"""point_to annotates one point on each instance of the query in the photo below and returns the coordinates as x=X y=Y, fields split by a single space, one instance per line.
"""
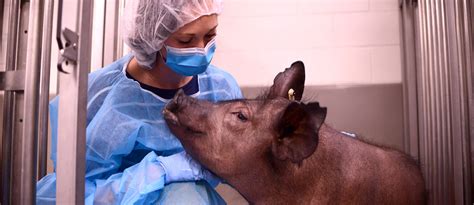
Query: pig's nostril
x=172 y=106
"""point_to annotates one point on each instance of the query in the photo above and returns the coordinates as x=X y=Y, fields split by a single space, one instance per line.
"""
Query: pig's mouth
x=175 y=123
x=177 y=117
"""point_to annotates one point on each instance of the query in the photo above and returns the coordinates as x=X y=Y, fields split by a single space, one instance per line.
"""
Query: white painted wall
x=340 y=41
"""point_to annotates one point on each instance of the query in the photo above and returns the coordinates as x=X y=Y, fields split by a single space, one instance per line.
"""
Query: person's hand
x=181 y=167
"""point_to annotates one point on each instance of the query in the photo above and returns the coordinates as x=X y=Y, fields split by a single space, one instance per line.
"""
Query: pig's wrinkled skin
x=277 y=151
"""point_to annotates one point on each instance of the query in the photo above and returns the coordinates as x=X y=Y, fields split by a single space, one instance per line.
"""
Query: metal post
x=443 y=47
x=72 y=103
x=24 y=186
x=44 y=90
x=111 y=26
x=11 y=25
x=410 y=100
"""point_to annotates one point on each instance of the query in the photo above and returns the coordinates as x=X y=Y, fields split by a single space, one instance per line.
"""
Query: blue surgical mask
x=190 y=61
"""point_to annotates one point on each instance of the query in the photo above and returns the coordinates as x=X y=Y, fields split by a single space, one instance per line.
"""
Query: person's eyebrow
x=192 y=34
x=212 y=29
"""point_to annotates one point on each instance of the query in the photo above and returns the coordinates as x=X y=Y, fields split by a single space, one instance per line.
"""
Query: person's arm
x=141 y=183
x=137 y=184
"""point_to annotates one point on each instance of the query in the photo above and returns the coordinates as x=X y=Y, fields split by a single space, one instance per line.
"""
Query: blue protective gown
x=125 y=134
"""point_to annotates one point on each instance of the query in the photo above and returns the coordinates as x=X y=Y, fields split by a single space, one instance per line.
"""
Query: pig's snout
x=181 y=113
x=174 y=106
x=177 y=101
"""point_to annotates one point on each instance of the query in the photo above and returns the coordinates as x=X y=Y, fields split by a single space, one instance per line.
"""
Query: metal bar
x=72 y=108
x=1 y=29
x=421 y=84
x=429 y=91
x=410 y=101
x=437 y=110
x=44 y=90
x=445 y=111
x=466 y=121
x=12 y=80
x=444 y=73
x=110 y=51
x=17 y=137
x=469 y=34
x=456 y=95
x=25 y=184
x=120 y=47
x=11 y=24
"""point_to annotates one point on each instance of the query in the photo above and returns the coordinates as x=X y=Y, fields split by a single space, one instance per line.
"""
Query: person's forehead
x=202 y=24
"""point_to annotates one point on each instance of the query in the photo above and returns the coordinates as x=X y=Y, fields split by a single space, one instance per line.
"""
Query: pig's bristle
x=263 y=94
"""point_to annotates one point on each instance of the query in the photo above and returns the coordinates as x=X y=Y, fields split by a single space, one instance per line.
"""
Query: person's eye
x=210 y=36
x=240 y=116
x=185 y=41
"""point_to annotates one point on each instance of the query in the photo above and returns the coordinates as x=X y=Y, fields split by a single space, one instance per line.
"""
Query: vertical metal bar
x=19 y=103
x=111 y=26
x=445 y=83
x=437 y=110
x=27 y=153
x=420 y=86
x=430 y=105
x=454 y=52
x=9 y=56
x=72 y=108
x=469 y=46
x=120 y=43
x=44 y=90
x=1 y=29
x=410 y=99
x=445 y=75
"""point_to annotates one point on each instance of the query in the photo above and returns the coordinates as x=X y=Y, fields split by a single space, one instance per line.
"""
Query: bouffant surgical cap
x=148 y=23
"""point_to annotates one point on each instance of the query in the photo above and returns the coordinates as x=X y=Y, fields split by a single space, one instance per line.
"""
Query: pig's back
x=374 y=174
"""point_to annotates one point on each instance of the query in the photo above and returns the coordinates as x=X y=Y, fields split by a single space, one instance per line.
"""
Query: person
x=131 y=156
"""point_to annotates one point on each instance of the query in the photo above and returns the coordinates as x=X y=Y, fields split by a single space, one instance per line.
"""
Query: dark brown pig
x=279 y=151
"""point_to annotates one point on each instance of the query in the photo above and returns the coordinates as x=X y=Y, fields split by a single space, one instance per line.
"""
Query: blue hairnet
x=148 y=23
x=126 y=132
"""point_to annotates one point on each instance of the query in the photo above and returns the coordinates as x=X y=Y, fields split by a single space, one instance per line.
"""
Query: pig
x=278 y=150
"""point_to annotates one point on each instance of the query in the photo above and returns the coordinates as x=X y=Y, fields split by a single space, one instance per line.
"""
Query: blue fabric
x=125 y=132
x=190 y=61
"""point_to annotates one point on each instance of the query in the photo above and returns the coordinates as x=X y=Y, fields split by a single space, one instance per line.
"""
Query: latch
x=68 y=51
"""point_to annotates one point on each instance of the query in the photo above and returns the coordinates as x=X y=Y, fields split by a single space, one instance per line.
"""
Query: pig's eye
x=241 y=116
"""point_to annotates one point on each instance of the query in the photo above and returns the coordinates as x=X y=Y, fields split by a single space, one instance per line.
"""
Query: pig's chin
x=178 y=126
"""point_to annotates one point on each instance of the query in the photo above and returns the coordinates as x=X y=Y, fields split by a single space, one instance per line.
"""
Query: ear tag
x=291 y=94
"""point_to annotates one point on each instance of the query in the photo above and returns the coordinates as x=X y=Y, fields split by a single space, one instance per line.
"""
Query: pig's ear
x=292 y=78
x=298 y=131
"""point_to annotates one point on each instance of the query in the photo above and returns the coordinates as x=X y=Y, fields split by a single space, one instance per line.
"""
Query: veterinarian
x=131 y=156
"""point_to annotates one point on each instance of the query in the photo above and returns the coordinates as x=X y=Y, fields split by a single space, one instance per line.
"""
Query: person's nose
x=202 y=43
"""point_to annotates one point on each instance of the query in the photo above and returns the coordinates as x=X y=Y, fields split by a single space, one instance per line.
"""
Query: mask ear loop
x=161 y=56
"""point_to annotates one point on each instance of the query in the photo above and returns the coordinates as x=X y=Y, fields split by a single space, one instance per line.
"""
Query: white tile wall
x=386 y=64
x=340 y=41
